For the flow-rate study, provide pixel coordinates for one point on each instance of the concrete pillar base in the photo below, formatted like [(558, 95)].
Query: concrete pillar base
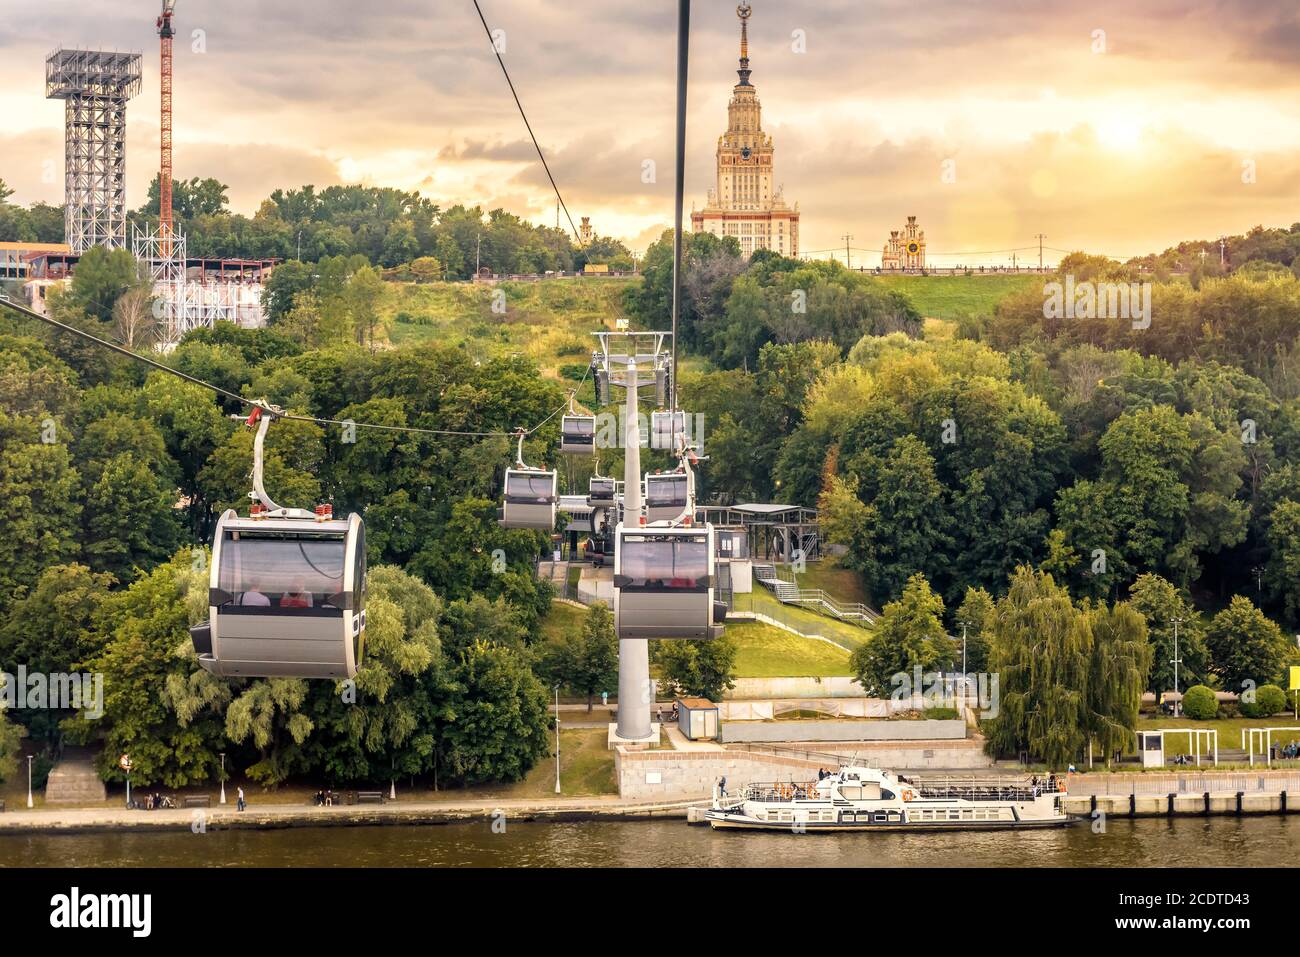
[(636, 744)]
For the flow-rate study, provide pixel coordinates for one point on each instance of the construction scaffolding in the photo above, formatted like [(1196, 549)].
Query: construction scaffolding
[(95, 86), (195, 294)]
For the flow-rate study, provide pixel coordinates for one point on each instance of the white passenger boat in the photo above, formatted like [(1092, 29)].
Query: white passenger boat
[(872, 799)]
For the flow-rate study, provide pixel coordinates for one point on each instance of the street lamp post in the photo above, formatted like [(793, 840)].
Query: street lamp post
[(557, 739), (223, 777), (29, 780), (1176, 661)]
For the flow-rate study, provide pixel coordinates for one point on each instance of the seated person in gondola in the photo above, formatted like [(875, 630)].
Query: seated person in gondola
[(297, 596), (253, 595)]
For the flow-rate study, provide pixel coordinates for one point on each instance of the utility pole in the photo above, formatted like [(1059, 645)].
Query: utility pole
[(847, 239), (1040, 237), (478, 246), (1176, 661), (1223, 254)]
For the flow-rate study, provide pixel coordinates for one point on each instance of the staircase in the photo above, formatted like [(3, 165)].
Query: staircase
[(791, 594), (73, 781)]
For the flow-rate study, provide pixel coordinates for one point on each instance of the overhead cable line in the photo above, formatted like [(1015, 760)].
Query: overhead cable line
[(121, 350), (522, 113)]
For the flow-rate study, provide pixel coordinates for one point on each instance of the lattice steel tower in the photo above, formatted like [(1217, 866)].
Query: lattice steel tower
[(94, 86)]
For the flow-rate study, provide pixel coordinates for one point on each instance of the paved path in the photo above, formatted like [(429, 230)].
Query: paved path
[(295, 815)]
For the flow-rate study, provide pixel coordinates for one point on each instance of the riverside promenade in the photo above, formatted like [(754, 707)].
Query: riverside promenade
[(272, 816)]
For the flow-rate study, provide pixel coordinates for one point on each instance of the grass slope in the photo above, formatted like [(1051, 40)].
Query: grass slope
[(945, 297), (549, 321), (764, 651)]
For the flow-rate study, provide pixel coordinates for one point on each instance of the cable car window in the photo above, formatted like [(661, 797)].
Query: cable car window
[(289, 572), (539, 486), (663, 490), (665, 563), (580, 425)]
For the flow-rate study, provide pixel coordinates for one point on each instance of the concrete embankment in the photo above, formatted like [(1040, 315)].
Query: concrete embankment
[(270, 817), (1174, 804)]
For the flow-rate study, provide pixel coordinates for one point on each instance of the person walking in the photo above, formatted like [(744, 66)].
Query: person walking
[(240, 804)]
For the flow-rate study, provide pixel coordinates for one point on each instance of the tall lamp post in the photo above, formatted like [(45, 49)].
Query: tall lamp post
[(29, 780), (557, 739), (1176, 661), (223, 777)]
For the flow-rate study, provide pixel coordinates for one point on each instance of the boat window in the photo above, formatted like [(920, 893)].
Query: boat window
[(290, 571), (535, 485), (664, 490), (664, 562)]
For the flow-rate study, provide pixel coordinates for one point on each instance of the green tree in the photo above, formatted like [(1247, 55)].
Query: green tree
[(705, 669), (909, 634), (1160, 604), (130, 522), (1042, 649), (976, 613), (39, 524), (101, 278), (1120, 662), (1200, 703), (494, 716), (1246, 648), (391, 728), (586, 661), (147, 659)]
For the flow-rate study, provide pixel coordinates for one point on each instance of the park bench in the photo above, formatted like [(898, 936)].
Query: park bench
[(200, 800), (370, 797)]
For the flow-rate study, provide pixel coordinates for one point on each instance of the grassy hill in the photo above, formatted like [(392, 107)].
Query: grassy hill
[(945, 297), (549, 321)]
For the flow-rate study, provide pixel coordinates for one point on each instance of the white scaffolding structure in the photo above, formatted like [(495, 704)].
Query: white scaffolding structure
[(182, 302), (95, 86)]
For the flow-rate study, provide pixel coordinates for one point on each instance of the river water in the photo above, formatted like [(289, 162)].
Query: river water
[(1183, 842)]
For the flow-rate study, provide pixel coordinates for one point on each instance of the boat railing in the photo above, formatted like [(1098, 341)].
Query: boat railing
[(780, 792), (983, 788)]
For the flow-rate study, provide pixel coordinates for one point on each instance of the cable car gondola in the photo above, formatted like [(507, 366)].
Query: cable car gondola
[(666, 496), (665, 427), (663, 583), (600, 491), (578, 434), (286, 592), (530, 495)]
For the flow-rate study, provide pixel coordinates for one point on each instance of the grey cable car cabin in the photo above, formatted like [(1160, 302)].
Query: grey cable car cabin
[(286, 598), (666, 496), (287, 587), (664, 583)]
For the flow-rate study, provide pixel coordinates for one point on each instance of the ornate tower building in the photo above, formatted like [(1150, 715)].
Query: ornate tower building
[(746, 202), (905, 249)]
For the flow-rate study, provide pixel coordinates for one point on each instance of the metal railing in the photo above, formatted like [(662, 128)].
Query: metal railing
[(790, 593)]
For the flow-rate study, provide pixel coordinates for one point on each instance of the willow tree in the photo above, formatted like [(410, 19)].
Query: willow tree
[(1120, 663), (1041, 650)]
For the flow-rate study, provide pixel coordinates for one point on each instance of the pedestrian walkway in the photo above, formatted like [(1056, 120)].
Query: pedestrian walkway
[(296, 815)]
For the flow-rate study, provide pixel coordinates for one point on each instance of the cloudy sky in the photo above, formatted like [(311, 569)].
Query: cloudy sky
[(1114, 126)]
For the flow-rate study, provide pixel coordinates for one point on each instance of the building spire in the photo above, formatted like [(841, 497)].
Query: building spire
[(743, 12)]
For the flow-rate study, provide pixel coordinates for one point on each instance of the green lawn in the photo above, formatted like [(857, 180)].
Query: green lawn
[(764, 651), (944, 297), (561, 619), (1229, 729), (549, 321)]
